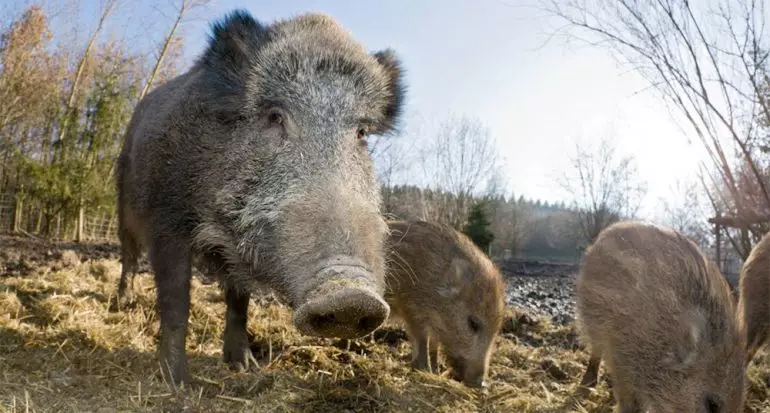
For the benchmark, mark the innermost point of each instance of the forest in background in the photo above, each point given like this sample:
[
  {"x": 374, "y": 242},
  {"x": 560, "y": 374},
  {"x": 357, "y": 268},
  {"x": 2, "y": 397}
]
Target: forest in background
[{"x": 64, "y": 107}]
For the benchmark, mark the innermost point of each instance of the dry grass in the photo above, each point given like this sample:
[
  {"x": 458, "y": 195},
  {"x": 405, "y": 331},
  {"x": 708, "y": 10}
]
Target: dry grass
[{"x": 64, "y": 348}]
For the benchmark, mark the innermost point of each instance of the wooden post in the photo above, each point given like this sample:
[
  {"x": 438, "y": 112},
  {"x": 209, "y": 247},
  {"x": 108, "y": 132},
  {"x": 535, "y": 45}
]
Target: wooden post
[
  {"x": 79, "y": 228},
  {"x": 18, "y": 210},
  {"x": 110, "y": 225},
  {"x": 17, "y": 213}
]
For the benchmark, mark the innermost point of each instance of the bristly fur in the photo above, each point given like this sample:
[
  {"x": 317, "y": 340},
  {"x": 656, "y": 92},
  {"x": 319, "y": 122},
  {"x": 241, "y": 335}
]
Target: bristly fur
[
  {"x": 649, "y": 301},
  {"x": 395, "y": 72},
  {"x": 253, "y": 164},
  {"x": 233, "y": 57},
  {"x": 754, "y": 296},
  {"x": 237, "y": 31},
  {"x": 438, "y": 280}
]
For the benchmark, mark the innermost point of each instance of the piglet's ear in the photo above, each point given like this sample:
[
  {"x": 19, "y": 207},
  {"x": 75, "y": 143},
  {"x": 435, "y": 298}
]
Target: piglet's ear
[
  {"x": 693, "y": 329},
  {"x": 459, "y": 274},
  {"x": 461, "y": 270}
]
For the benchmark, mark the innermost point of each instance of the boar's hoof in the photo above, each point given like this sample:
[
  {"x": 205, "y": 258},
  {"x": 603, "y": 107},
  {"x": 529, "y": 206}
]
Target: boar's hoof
[
  {"x": 477, "y": 383},
  {"x": 126, "y": 299},
  {"x": 238, "y": 355},
  {"x": 422, "y": 365},
  {"x": 348, "y": 312},
  {"x": 473, "y": 382}
]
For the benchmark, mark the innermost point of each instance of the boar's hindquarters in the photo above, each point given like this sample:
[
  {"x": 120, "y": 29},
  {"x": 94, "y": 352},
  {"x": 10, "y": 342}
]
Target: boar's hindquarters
[{"x": 343, "y": 306}]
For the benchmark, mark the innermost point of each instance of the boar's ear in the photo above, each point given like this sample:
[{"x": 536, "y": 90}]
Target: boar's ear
[
  {"x": 232, "y": 43},
  {"x": 693, "y": 324},
  {"x": 396, "y": 90}
]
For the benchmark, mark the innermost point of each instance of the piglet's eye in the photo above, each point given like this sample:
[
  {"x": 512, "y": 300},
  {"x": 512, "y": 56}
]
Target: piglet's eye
[
  {"x": 474, "y": 324},
  {"x": 712, "y": 405},
  {"x": 362, "y": 132}
]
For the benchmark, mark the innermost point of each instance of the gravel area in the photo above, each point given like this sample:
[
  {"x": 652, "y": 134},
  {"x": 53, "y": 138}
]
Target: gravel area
[
  {"x": 538, "y": 287},
  {"x": 542, "y": 288}
]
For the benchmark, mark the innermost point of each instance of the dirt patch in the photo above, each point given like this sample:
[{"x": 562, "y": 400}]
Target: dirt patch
[{"x": 62, "y": 349}]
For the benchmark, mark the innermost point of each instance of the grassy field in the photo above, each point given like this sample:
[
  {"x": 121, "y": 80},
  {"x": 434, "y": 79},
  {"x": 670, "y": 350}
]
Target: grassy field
[{"x": 64, "y": 348}]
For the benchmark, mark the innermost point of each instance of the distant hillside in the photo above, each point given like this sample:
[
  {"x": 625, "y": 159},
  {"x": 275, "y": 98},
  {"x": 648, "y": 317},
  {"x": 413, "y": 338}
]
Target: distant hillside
[{"x": 522, "y": 227}]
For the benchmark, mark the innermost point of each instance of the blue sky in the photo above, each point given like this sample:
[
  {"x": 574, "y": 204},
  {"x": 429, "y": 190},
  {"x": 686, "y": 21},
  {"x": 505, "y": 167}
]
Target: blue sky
[{"x": 484, "y": 58}]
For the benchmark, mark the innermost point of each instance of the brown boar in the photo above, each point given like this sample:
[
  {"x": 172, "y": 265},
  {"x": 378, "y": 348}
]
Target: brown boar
[
  {"x": 660, "y": 314},
  {"x": 447, "y": 292},
  {"x": 754, "y": 296},
  {"x": 254, "y": 165}
]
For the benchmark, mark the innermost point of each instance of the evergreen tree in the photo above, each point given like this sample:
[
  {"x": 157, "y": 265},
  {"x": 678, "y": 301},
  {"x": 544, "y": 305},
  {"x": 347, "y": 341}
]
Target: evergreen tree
[{"x": 478, "y": 225}]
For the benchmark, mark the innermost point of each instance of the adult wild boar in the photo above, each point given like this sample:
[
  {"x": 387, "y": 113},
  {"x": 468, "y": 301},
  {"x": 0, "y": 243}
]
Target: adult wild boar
[
  {"x": 446, "y": 291},
  {"x": 661, "y": 315},
  {"x": 254, "y": 163},
  {"x": 754, "y": 298}
]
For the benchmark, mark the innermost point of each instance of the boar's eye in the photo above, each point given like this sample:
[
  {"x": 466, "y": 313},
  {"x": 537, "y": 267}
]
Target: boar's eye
[
  {"x": 275, "y": 116},
  {"x": 712, "y": 404},
  {"x": 362, "y": 132},
  {"x": 474, "y": 324}
]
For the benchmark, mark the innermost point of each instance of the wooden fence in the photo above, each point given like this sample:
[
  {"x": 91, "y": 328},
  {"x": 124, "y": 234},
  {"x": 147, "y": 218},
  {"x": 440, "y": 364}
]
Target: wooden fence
[{"x": 98, "y": 225}]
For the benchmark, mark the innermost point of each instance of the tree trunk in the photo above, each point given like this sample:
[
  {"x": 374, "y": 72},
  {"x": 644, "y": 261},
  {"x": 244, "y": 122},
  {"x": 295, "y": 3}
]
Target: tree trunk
[
  {"x": 58, "y": 225},
  {"x": 163, "y": 51},
  {"x": 81, "y": 65},
  {"x": 39, "y": 221},
  {"x": 718, "y": 235}
]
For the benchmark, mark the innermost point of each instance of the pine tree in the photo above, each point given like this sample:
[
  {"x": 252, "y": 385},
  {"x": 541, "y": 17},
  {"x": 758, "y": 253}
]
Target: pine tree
[{"x": 477, "y": 227}]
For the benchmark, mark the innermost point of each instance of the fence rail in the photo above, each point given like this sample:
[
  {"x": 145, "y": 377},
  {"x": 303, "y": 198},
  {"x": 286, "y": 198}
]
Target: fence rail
[{"x": 98, "y": 225}]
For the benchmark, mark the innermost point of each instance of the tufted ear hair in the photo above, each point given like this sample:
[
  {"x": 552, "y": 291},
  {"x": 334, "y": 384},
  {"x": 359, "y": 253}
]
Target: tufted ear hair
[
  {"x": 693, "y": 330},
  {"x": 396, "y": 90},
  {"x": 232, "y": 44}
]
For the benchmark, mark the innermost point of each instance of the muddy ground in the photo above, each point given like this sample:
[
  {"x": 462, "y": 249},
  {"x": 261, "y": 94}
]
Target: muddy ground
[{"x": 64, "y": 347}]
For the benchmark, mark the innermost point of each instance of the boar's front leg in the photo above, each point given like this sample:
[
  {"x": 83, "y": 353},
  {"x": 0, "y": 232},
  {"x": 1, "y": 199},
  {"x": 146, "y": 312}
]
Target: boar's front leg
[
  {"x": 237, "y": 352},
  {"x": 170, "y": 260}
]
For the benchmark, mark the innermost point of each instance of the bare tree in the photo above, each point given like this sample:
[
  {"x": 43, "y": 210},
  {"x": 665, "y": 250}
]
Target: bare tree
[
  {"x": 460, "y": 159},
  {"x": 685, "y": 210},
  {"x": 107, "y": 8},
  {"x": 512, "y": 223},
  {"x": 392, "y": 159},
  {"x": 393, "y": 155},
  {"x": 604, "y": 187},
  {"x": 184, "y": 6},
  {"x": 709, "y": 62}
]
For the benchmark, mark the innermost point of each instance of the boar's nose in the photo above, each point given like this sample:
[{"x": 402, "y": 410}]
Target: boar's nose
[{"x": 344, "y": 306}]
